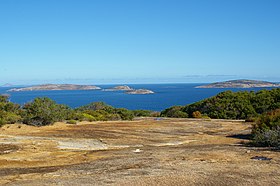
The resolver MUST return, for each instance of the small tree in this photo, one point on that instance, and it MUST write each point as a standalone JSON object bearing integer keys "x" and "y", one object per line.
{"x": 124, "y": 113}
{"x": 9, "y": 112}
{"x": 44, "y": 111}
{"x": 174, "y": 112}
{"x": 266, "y": 131}
{"x": 4, "y": 98}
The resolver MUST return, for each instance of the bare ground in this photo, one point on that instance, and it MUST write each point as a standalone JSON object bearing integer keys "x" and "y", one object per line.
{"x": 141, "y": 152}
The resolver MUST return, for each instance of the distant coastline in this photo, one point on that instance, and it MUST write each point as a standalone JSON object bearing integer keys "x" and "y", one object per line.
{"x": 56, "y": 87}
{"x": 241, "y": 83}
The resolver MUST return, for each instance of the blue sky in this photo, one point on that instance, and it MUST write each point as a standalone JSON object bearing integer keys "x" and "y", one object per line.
{"x": 138, "y": 41}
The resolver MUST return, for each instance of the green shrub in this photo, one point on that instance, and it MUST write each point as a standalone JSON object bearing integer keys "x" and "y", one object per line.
{"x": 44, "y": 111}
{"x": 97, "y": 115}
{"x": 2, "y": 122}
{"x": 97, "y": 106}
{"x": 99, "y": 111}
{"x": 142, "y": 113}
{"x": 174, "y": 112}
{"x": 267, "y": 138}
{"x": 4, "y": 98}
{"x": 230, "y": 105}
{"x": 268, "y": 121}
{"x": 266, "y": 131}
{"x": 124, "y": 113}
{"x": 205, "y": 117}
{"x": 71, "y": 121}
{"x": 12, "y": 118}
{"x": 113, "y": 117}
{"x": 88, "y": 117}
{"x": 9, "y": 117}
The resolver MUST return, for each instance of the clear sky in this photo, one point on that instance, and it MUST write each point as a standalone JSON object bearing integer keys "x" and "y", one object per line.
{"x": 138, "y": 41}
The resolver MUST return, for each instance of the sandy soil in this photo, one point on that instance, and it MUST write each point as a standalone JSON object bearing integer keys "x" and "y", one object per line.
{"x": 140, "y": 152}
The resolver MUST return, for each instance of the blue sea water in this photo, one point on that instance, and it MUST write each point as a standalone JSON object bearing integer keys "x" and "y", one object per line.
{"x": 166, "y": 95}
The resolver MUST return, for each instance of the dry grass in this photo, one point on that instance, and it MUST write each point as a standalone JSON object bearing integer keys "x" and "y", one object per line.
{"x": 172, "y": 152}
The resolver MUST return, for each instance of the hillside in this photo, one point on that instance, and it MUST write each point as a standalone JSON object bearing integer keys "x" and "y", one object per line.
{"x": 230, "y": 105}
{"x": 242, "y": 83}
{"x": 56, "y": 87}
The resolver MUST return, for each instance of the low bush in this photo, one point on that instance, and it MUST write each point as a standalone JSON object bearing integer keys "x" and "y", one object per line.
{"x": 268, "y": 121}
{"x": 267, "y": 138}
{"x": 174, "y": 112}
{"x": 12, "y": 118}
{"x": 9, "y": 117}
{"x": 2, "y": 122}
{"x": 71, "y": 121}
{"x": 88, "y": 117}
{"x": 266, "y": 131}
{"x": 97, "y": 106}
{"x": 142, "y": 113}
{"x": 125, "y": 114}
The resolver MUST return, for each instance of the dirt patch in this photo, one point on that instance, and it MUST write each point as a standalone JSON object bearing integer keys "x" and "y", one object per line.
{"x": 8, "y": 148}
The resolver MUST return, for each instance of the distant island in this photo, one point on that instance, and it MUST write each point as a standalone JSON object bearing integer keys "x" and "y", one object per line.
{"x": 129, "y": 90}
{"x": 119, "y": 88}
{"x": 56, "y": 87}
{"x": 139, "y": 91}
{"x": 126, "y": 89}
{"x": 241, "y": 83}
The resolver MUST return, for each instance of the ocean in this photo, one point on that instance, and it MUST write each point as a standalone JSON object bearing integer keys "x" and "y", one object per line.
{"x": 166, "y": 95}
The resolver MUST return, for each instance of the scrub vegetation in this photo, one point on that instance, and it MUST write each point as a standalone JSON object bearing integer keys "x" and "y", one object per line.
{"x": 262, "y": 108}
{"x": 44, "y": 111}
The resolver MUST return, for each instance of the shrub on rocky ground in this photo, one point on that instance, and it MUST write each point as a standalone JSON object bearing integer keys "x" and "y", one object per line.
{"x": 266, "y": 131}
{"x": 71, "y": 121}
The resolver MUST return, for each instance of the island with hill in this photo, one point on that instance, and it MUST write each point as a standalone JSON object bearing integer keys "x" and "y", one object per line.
{"x": 129, "y": 90}
{"x": 119, "y": 88}
{"x": 241, "y": 83}
{"x": 56, "y": 87}
{"x": 140, "y": 91}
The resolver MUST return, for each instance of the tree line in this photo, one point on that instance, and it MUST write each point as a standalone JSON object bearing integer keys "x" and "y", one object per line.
{"x": 44, "y": 111}
{"x": 229, "y": 105}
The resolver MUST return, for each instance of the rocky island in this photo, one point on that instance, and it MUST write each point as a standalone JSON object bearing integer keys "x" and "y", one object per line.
{"x": 119, "y": 88}
{"x": 242, "y": 83}
{"x": 56, "y": 87}
{"x": 129, "y": 90}
{"x": 139, "y": 91}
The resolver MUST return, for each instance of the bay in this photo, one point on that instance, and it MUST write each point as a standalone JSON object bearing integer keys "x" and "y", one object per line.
{"x": 166, "y": 95}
